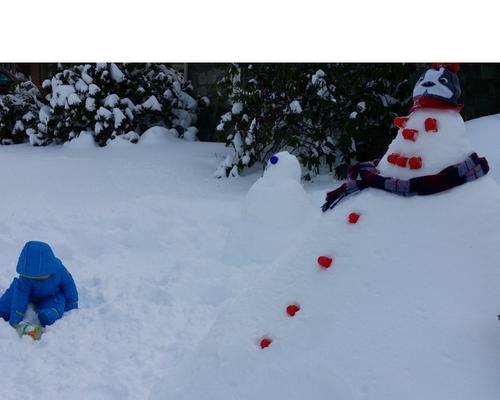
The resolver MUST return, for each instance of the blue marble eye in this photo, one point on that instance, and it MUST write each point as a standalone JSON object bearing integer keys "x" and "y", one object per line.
{"x": 273, "y": 159}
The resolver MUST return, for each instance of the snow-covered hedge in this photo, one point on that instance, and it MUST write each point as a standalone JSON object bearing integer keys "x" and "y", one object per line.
{"x": 106, "y": 100}
{"x": 326, "y": 114}
{"x": 19, "y": 112}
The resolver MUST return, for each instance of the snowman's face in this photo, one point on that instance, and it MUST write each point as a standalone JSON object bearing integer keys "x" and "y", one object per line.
{"x": 440, "y": 83}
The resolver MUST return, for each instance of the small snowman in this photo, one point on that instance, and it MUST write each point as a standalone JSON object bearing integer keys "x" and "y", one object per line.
{"x": 274, "y": 211}
{"x": 277, "y": 198}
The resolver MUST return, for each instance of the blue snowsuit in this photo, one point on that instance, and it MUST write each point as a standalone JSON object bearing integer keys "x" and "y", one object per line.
{"x": 44, "y": 281}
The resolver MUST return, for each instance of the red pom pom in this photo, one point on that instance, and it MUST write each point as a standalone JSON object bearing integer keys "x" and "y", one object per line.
{"x": 353, "y": 217}
{"x": 410, "y": 134}
{"x": 325, "y": 261}
{"x": 431, "y": 125}
{"x": 393, "y": 158}
{"x": 454, "y": 67}
{"x": 415, "y": 162}
{"x": 400, "y": 122}
{"x": 402, "y": 161}
{"x": 265, "y": 343}
{"x": 292, "y": 309}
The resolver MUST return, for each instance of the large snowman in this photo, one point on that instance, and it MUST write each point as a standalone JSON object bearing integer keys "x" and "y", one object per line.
{"x": 433, "y": 136}
{"x": 406, "y": 310}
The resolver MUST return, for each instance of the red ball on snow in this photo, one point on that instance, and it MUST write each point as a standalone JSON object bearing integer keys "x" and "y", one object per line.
{"x": 431, "y": 125}
{"x": 410, "y": 134}
{"x": 393, "y": 158}
{"x": 353, "y": 217}
{"x": 292, "y": 309}
{"x": 265, "y": 342}
{"x": 400, "y": 122}
{"x": 415, "y": 162}
{"x": 402, "y": 161}
{"x": 325, "y": 261}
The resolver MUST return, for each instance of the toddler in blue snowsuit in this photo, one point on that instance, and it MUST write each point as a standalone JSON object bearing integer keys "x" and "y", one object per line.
{"x": 44, "y": 281}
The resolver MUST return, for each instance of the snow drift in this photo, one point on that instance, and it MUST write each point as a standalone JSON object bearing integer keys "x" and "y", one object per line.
{"x": 407, "y": 311}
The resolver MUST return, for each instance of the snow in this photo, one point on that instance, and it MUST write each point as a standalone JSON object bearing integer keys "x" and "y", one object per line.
{"x": 485, "y": 134}
{"x": 190, "y": 133}
{"x": 158, "y": 135}
{"x": 44, "y": 114}
{"x": 84, "y": 140}
{"x": 81, "y": 86}
{"x": 111, "y": 100}
{"x": 116, "y": 74}
{"x": 90, "y": 104}
{"x": 103, "y": 113}
{"x": 407, "y": 311}
{"x": 237, "y": 108}
{"x": 61, "y": 95}
{"x": 152, "y": 104}
{"x": 118, "y": 117}
{"x": 19, "y": 125}
{"x": 93, "y": 89}
{"x": 88, "y": 80}
{"x": 73, "y": 99}
{"x": 318, "y": 76}
{"x": 295, "y": 107}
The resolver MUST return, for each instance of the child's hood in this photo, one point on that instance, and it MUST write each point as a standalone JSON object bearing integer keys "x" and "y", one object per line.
{"x": 37, "y": 260}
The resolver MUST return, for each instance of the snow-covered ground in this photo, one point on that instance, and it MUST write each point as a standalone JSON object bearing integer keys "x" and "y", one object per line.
{"x": 164, "y": 313}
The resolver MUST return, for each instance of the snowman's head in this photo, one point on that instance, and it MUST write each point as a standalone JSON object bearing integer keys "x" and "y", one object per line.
{"x": 440, "y": 83}
{"x": 283, "y": 165}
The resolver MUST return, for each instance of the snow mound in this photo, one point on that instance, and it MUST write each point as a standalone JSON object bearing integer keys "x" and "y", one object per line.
{"x": 484, "y": 133}
{"x": 158, "y": 135}
{"x": 84, "y": 140}
{"x": 190, "y": 134}
{"x": 408, "y": 309}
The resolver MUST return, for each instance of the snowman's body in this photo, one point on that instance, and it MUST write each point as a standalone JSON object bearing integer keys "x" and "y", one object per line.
{"x": 275, "y": 206}
{"x": 433, "y": 137}
{"x": 442, "y": 144}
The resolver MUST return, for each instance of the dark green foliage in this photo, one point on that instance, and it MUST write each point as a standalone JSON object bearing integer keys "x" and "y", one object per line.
{"x": 328, "y": 115}
{"x": 369, "y": 97}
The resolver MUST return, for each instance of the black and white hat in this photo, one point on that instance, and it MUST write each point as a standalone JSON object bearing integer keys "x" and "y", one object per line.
{"x": 438, "y": 87}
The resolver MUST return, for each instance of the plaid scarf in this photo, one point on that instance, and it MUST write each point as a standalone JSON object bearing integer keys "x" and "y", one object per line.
{"x": 471, "y": 169}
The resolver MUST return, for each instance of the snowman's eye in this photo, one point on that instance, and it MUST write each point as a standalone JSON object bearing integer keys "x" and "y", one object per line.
{"x": 444, "y": 81}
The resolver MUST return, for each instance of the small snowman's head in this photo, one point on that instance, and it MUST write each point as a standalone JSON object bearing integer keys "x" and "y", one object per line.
{"x": 438, "y": 85}
{"x": 283, "y": 165}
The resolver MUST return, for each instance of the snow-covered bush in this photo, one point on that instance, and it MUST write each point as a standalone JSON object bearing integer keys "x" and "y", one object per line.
{"x": 19, "y": 112}
{"x": 85, "y": 98}
{"x": 310, "y": 110}
{"x": 110, "y": 100}
{"x": 275, "y": 107}
{"x": 162, "y": 99}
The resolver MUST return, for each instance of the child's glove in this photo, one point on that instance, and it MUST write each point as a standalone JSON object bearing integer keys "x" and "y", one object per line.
{"x": 25, "y": 328}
